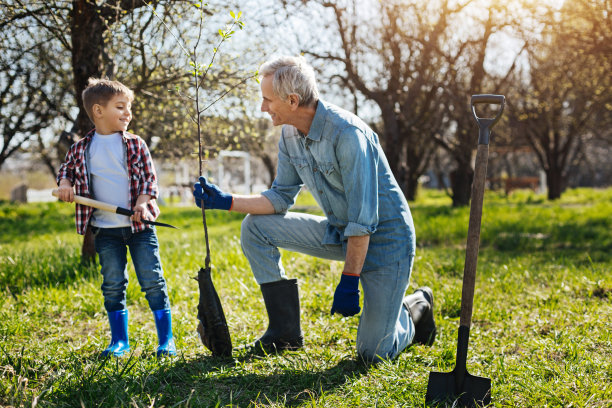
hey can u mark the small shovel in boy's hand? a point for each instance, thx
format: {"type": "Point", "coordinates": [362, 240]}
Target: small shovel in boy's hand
{"type": "Point", "coordinates": [111, 208]}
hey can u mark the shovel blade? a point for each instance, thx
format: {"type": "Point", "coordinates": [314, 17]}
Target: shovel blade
{"type": "Point", "coordinates": [458, 387]}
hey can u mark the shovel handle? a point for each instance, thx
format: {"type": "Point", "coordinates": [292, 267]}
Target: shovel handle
{"type": "Point", "coordinates": [485, 124]}
{"type": "Point", "coordinates": [98, 204]}
{"type": "Point", "coordinates": [473, 238]}
{"type": "Point", "coordinates": [478, 187]}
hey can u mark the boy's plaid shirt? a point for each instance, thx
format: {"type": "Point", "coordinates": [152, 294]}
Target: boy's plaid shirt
{"type": "Point", "coordinates": [141, 173]}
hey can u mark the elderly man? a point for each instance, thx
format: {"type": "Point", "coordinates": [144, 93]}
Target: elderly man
{"type": "Point", "coordinates": [367, 222]}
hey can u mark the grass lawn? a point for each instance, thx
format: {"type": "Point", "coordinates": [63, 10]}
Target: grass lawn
{"type": "Point", "coordinates": [542, 324]}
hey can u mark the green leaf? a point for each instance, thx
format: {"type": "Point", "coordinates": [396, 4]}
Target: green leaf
{"type": "Point", "coordinates": [232, 14]}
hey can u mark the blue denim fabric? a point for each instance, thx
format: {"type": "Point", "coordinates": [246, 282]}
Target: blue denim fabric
{"type": "Point", "coordinates": [111, 246]}
{"type": "Point", "coordinates": [342, 164]}
{"type": "Point", "coordinates": [385, 326]}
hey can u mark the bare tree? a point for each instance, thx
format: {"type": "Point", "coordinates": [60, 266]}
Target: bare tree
{"type": "Point", "coordinates": [418, 62]}
{"type": "Point", "coordinates": [566, 93]}
{"type": "Point", "coordinates": [112, 38]}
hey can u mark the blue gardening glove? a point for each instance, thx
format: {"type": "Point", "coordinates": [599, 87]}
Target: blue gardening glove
{"type": "Point", "coordinates": [346, 297]}
{"type": "Point", "coordinates": [213, 198]}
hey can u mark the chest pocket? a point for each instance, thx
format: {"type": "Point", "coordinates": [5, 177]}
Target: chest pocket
{"type": "Point", "coordinates": [299, 163]}
{"type": "Point", "coordinates": [326, 168]}
{"type": "Point", "coordinates": [333, 177]}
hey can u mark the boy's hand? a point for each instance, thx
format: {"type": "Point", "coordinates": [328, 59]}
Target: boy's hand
{"type": "Point", "coordinates": [140, 209]}
{"type": "Point", "coordinates": [65, 191]}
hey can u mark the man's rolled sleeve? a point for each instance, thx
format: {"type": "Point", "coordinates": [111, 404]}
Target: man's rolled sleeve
{"type": "Point", "coordinates": [357, 230]}
{"type": "Point", "coordinates": [279, 204]}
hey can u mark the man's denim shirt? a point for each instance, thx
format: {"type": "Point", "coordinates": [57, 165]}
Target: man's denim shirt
{"type": "Point", "coordinates": [343, 165]}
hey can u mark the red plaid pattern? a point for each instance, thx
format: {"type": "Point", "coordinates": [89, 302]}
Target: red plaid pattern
{"type": "Point", "coordinates": [141, 173]}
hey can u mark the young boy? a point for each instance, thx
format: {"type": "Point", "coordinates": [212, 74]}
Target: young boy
{"type": "Point", "coordinates": [111, 165]}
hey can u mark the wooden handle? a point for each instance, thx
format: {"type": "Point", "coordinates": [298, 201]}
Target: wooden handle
{"type": "Point", "coordinates": [96, 204]}
{"type": "Point", "coordinates": [473, 239]}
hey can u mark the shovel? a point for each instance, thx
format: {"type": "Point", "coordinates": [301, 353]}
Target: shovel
{"type": "Point", "coordinates": [100, 205]}
{"type": "Point", "coordinates": [460, 388]}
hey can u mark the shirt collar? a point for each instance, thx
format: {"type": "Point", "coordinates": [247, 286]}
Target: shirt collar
{"type": "Point", "coordinates": [124, 135]}
{"type": "Point", "coordinates": [318, 122]}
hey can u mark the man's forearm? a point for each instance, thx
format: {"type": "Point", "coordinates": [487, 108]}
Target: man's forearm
{"type": "Point", "coordinates": [356, 251]}
{"type": "Point", "coordinates": [252, 204]}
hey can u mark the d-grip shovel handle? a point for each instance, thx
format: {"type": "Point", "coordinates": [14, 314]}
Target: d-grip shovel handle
{"type": "Point", "coordinates": [478, 187]}
{"type": "Point", "coordinates": [485, 124]}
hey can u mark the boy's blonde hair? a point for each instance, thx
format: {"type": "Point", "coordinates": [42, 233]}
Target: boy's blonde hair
{"type": "Point", "coordinates": [100, 91]}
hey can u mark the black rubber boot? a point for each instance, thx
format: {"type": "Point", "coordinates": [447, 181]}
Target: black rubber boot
{"type": "Point", "coordinates": [420, 306]}
{"type": "Point", "coordinates": [283, 306]}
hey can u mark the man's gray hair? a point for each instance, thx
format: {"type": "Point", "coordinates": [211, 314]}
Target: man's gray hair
{"type": "Point", "coordinates": [292, 75]}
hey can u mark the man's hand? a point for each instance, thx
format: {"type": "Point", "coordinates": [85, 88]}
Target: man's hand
{"type": "Point", "coordinates": [211, 195]}
{"type": "Point", "coordinates": [65, 191]}
{"type": "Point", "coordinates": [346, 297]}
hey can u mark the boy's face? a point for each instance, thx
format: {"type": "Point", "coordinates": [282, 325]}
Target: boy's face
{"type": "Point", "coordinates": [113, 117]}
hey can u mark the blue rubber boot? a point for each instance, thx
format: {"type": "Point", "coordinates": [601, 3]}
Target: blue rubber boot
{"type": "Point", "coordinates": [163, 322]}
{"type": "Point", "coordinates": [119, 344]}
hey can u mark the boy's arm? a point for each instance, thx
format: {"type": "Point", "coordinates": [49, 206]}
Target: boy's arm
{"type": "Point", "coordinates": [140, 209]}
{"type": "Point", "coordinates": [65, 191]}
{"type": "Point", "coordinates": [148, 186]}
{"type": "Point", "coordinates": [65, 176]}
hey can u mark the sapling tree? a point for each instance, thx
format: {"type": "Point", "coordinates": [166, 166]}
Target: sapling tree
{"type": "Point", "coordinates": [201, 100]}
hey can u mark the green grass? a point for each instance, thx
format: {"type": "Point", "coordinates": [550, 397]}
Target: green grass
{"type": "Point", "coordinates": [542, 324]}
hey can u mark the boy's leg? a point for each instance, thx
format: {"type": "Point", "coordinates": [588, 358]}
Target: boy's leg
{"type": "Point", "coordinates": [112, 254]}
{"type": "Point", "coordinates": [385, 326]}
{"type": "Point", "coordinates": [262, 235]}
{"type": "Point", "coordinates": [144, 250]}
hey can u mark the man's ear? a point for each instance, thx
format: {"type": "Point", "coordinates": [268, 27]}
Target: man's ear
{"type": "Point", "coordinates": [294, 101]}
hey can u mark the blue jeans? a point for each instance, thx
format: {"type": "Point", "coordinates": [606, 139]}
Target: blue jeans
{"type": "Point", "coordinates": [111, 246]}
{"type": "Point", "coordinates": [385, 326]}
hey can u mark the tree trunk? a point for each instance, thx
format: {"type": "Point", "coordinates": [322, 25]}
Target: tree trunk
{"type": "Point", "coordinates": [87, 30]}
{"type": "Point", "coordinates": [461, 184]}
{"type": "Point", "coordinates": [411, 185]}
{"type": "Point", "coordinates": [556, 184]}
{"type": "Point", "coordinates": [270, 167]}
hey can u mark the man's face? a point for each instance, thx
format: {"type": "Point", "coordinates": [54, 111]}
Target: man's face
{"type": "Point", "coordinates": [279, 110]}
{"type": "Point", "coordinates": [116, 115]}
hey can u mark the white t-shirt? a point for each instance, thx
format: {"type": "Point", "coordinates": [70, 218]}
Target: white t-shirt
{"type": "Point", "coordinates": [109, 179]}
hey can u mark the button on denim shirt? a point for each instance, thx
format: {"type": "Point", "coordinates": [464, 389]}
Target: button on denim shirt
{"type": "Point", "coordinates": [343, 165]}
